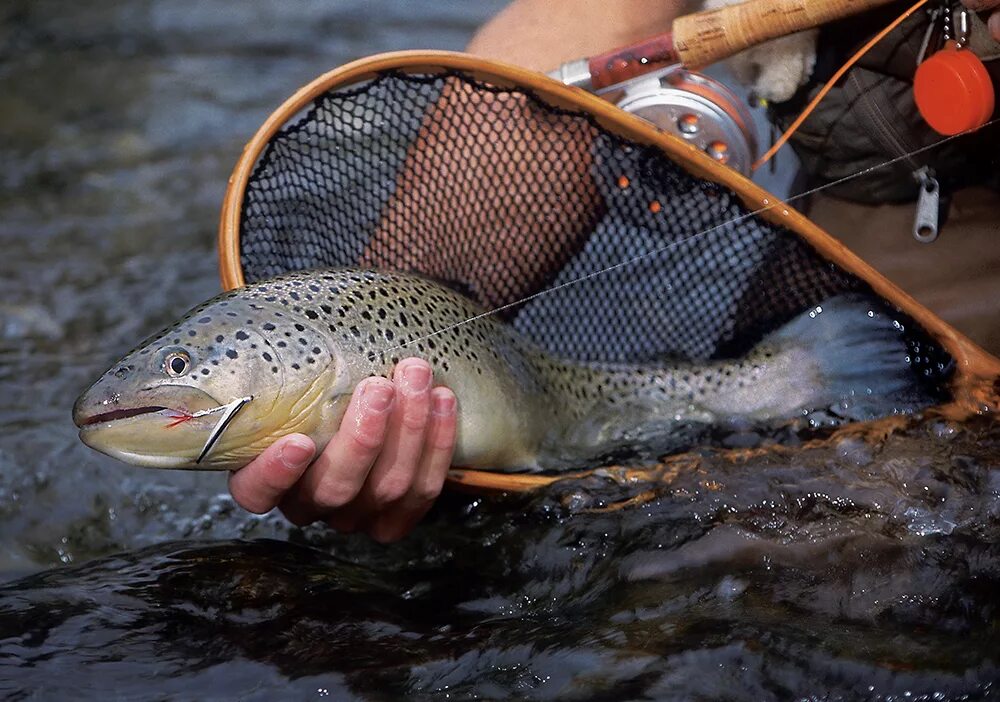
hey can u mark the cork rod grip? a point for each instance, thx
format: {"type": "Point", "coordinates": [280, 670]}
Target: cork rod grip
{"type": "Point", "coordinates": [706, 37]}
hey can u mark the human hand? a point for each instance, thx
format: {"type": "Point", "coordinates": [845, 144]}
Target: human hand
{"type": "Point", "coordinates": [379, 474]}
{"type": "Point", "coordinates": [992, 8]}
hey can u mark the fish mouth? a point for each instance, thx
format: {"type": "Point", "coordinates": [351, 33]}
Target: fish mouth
{"type": "Point", "coordinates": [83, 420]}
{"type": "Point", "coordinates": [152, 436]}
{"type": "Point", "coordinates": [168, 430]}
{"type": "Point", "coordinates": [97, 406]}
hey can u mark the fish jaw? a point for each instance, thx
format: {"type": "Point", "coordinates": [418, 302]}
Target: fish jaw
{"type": "Point", "coordinates": [159, 431]}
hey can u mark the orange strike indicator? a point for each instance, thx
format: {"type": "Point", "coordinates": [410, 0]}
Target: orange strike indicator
{"type": "Point", "coordinates": [953, 91]}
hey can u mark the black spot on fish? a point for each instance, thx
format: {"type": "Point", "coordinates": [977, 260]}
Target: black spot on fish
{"type": "Point", "coordinates": [205, 371]}
{"type": "Point", "coordinates": [274, 369]}
{"type": "Point", "coordinates": [326, 309]}
{"type": "Point", "coordinates": [266, 356]}
{"type": "Point", "coordinates": [242, 335]}
{"type": "Point", "coordinates": [389, 335]}
{"type": "Point", "coordinates": [204, 320]}
{"type": "Point", "coordinates": [311, 314]}
{"type": "Point", "coordinates": [232, 353]}
{"type": "Point", "coordinates": [296, 366]}
{"type": "Point", "coordinates": [316, 350]}
{"type": "Point", "coordinates": [303, 341]}
{"type": "Point", "coordinates": [219, 338]}
{"type": "Point", "coordinates": [282, 344]}
{"type": "Point", "coordinates": [192, 332]}
{"type": "Point", "coordinates": [299, 327]}
{"type": "Point", "coordinates": [268, 326]}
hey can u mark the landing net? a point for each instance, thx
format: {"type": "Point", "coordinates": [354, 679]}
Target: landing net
{"type": "Point", "coordinates": [503, 184]}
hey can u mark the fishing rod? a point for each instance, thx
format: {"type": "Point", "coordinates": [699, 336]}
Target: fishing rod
{"type": "Point", "coordinates": [703, 38]}
{"type": "Point", "coordinates": [657, 79]}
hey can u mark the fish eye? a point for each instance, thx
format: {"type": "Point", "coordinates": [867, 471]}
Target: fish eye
{"type": "Point", "coordinates": [176, 363]}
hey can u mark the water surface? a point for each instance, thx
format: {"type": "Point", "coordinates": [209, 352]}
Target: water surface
{"type": "Point", "coordinates": [846, 572]}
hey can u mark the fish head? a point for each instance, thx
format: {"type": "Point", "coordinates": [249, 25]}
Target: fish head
{"type": "Point", "coordinates": [159, 405]}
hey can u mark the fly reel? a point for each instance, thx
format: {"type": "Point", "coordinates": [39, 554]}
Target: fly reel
{"type": "Point", "coordinates": [692, 106]}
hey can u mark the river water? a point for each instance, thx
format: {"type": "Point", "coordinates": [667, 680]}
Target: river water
{"type": "Point", "coordinates": [845, 572]}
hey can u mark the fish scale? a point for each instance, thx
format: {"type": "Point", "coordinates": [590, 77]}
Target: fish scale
{"type": "Point", "coordinates": [299, 344]}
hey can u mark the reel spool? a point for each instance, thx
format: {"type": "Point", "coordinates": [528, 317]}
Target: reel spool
{"type": "Point", "coordinates": [696, 108]}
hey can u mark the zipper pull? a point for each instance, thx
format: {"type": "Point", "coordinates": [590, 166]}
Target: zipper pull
{"type": "Point", "coordinates": [925, 226]}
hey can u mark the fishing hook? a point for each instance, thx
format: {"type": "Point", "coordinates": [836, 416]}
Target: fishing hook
{"type": "Point", "coordinates": [229, 412]}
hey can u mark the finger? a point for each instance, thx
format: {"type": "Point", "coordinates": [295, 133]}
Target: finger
{"type": "Point", "coordinates": [393, 472]}
{"type": "Point", "coordinates": [259, 486]}
{"type": "Point", "coordinates": [337, 475]}
{"type": "Point", "coordinates": [439, 447]}
{"type": "Point", "coordinates": [994, 24]}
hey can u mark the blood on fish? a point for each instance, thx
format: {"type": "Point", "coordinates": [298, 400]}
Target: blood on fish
{"type": "Point", "coordinates": [179, 419]}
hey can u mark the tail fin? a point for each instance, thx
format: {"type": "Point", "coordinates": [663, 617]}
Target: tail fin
{"type": "Point", "coordinates": [860, 355]}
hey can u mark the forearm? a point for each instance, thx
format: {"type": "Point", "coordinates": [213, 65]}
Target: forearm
{"type": "Point", "coordinates": [541, 34]}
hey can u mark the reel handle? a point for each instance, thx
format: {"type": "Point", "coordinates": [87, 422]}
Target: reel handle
{"type": "Point", "coordinates": [703, 38]}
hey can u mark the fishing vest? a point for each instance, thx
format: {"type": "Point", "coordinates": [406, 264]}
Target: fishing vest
{"type": "Point", "coordinates": [870, 117]}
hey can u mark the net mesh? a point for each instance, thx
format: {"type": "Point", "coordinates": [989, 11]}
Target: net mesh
{"type": "Point", "coordinates": [500, 195]}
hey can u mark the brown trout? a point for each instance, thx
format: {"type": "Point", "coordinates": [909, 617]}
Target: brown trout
{"type": "Point", "coordinates": [282, 356]}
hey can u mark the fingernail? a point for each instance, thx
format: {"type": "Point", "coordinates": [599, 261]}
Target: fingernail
{"type": "Point", "coordinates": [295, 454]}
{"type": "Point", "coordinates": [444, 404]}
{"type": "Point", "coordinates": [994, 25]}
{"type": "Point", "coordinates": [417, 376]}
{"type": "Point", "coordinates": [377, 397]}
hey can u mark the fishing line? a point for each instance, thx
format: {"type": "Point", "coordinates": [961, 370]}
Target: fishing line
{"type": "Point", "coordinates": [666, 247]}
